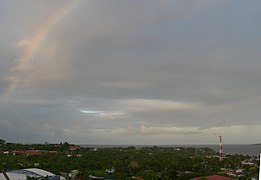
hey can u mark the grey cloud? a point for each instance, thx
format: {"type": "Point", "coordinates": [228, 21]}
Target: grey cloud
{"type": "Point", "coordinates": [143, 130]}
{"type": "Point", "coordinates": [158, 67]}
{"type": "Point", "coordinates": [5, 83]}
{"type": "Point", "coordinates": [5, 124]}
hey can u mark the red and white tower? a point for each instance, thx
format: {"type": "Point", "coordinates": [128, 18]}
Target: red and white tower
{"type": "Point", "coordinates": [221, 148]}
{"type": "Point", "coordinates": [259, 167]}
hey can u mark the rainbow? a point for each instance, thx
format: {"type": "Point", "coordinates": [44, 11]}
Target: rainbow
{"type": "Point", "coordinates": [31, 45]}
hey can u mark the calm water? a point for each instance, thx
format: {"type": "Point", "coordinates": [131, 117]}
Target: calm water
{"type": "Point", "coordinates": [227, 148]}
{"type": "Point", "coordinates": [235, 149]}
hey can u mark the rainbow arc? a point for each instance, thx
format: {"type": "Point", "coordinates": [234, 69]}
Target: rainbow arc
{"type": "Point", "coordinates": [31, 45]}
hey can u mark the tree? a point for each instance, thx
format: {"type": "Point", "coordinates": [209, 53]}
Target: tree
{"type": "Point", "coordinates": [2, 141]}
{"type": "Point", "coordinates": [203, 178]}
{"type": "Point", "coordinates": [134, 166]}
{"type": "Point", "coordinates": [149, 175]}
{"type": "Point", "coordinates": [120, 175]}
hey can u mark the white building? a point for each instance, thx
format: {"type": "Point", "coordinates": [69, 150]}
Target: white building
{"type": "Point", "coordinates": [22, 174]}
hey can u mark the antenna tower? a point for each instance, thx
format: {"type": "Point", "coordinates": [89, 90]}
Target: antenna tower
{"type": "Point", "coordinates": [220, 148]}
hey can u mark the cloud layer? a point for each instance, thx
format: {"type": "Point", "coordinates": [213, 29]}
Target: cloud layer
{"type": "Point", "coordinates": [130, 72]}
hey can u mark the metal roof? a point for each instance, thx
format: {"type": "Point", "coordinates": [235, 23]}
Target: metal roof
{"type": "Point", "coordinates": [22, 174]}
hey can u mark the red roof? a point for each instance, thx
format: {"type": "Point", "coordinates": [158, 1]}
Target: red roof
{"type": "Point", "coordinates": [74, 147]}
{"type": "Point", "coordinates": [215, 177]}
{"type": "Point", "coordinates": [28, 152]}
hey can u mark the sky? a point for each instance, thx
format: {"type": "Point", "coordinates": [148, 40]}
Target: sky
{"type": "Point", "coordinates": [130, 72]}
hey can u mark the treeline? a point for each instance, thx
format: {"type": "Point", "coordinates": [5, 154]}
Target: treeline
{"type": "Point", "coordinates": [148, 163]}
{"type": "Point", "coordinates": [48, 147]}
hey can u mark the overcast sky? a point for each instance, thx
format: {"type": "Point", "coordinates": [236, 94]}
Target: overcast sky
{"type": "Point", "coordinates": [130, 71]}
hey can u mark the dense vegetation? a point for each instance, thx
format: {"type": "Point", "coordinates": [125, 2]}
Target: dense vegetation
{"type": "Point", "coordinates": [149, 162]}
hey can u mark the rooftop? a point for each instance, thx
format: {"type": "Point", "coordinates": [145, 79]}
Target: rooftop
{"type": "Point", "coordinates": [214, 177]}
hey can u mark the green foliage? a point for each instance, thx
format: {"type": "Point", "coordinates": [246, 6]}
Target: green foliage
{"type": "Point", "coordinates": [203, 178]}
{"type": "Point", "coordinates": [2, 141]}
{"type": "Point", "coordinates": [149, 175]}
{"type": "Point", "coordinates": [148, 162]}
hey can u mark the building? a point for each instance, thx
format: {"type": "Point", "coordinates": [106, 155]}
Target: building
{"type": "Point", "coordinates": [215, 177]}
{"type": "Point", "coordinates": [27, 152]}
{"type": "Point", "coordinates": [22, 174]}
{"type": "Point", "coordinates": [74, 147]}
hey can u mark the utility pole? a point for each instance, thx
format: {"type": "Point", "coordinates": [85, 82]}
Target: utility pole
{"type": "Point", "coordinates": [259, 167]}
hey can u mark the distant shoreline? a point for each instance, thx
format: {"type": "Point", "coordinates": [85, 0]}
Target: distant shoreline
{"type": "Point", "coordinates": [245, 149]}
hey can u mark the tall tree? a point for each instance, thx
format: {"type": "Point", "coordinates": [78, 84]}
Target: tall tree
{"type": "Point", "coordinates": [2, 141]}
